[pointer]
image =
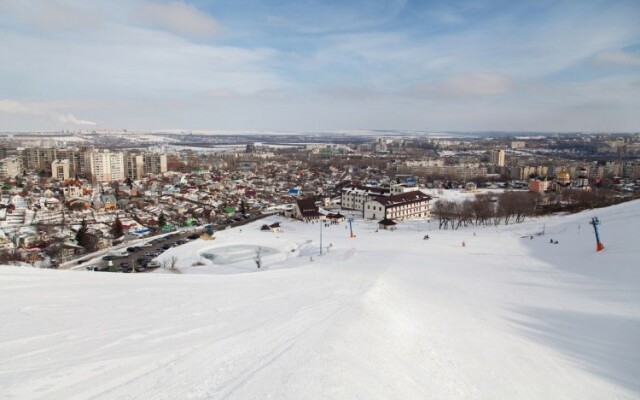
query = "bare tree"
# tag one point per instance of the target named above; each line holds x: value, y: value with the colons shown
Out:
x: 517, y: 205
x: 445, y: 211
x: 483, y: 208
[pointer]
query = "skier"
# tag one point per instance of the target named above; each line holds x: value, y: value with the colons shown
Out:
x: 464, y: 244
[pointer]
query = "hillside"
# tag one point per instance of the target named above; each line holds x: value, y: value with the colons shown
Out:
x: 383, y: 315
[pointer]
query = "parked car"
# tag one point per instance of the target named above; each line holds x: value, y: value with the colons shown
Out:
x: 109, y: 257
x: 193, y: 237
x: 153, y: 264
x: 124, y: 265
x: 140, y: 268
x: 166, y: 246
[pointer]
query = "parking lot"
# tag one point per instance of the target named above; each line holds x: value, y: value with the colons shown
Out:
x: 142, y: 258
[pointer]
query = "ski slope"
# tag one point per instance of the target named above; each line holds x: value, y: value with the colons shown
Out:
x: 384, y: 315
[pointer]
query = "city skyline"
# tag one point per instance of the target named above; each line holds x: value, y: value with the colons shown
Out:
x: 313, y: 65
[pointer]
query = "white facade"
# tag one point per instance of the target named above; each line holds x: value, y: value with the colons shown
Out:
x: 410, y: 205
x: 105, y: 166
x: 497, y: 158
x: 402, y: 188
x: 10, y: 167
x: 72, y: 191
x: 60, y: 169
x: 354, y: 197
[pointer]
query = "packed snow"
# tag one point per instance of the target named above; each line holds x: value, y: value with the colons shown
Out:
x: 382, y: 315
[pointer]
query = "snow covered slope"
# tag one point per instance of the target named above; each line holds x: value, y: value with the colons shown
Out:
x: 384, y: 315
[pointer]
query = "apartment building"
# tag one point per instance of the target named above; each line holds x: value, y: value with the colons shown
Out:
x: 60, y: 169
x: 155, y: 163
x: 10, y: 167
x: 497, y: 158
x: 134, y: 165
x: 104, y: 165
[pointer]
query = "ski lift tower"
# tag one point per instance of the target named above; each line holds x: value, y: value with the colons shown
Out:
x: 595, y: 222
x: 351, y: 235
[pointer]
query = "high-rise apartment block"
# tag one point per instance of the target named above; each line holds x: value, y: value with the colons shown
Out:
x: 134, y: 165
x: 42, y: 158
x: 497, y: 158
x: 155, y: 163
x: 104, y: 165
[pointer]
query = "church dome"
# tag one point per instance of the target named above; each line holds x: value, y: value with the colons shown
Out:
x: 563, y: 177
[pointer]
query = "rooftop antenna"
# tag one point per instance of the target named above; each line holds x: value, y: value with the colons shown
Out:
x: 595, y: 222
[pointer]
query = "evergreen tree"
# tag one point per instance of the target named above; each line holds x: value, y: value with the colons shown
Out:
x: 162, y: 220
x: 116, y: 229
x: 82, y: 235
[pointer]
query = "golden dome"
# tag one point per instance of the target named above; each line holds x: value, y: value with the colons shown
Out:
x: 563, y: 176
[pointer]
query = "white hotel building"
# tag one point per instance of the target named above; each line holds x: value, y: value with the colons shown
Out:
x: 408, y: 205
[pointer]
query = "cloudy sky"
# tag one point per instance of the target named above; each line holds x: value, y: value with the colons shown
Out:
x: 320, y: 65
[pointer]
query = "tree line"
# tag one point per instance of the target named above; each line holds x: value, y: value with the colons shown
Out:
x: 515, y: 206
x: 486, y: 209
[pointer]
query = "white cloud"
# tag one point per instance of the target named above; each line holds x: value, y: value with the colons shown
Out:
x: 52, y: 15
x: 125, y: 62
x: 469, y: 85
x: 619, y: 58
x: 180, y: 18
x: 40, y: 109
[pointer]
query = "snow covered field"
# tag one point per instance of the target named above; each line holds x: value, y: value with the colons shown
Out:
x: 384, y: 315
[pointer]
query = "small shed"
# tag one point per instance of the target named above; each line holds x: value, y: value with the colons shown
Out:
x: 275, y: 227
x: 335, y: 218
x: 387, y: 224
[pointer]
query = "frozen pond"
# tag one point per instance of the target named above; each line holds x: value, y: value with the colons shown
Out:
x: 236, y: 253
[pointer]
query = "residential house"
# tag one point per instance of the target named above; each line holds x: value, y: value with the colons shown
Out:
x: 306, y: 210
